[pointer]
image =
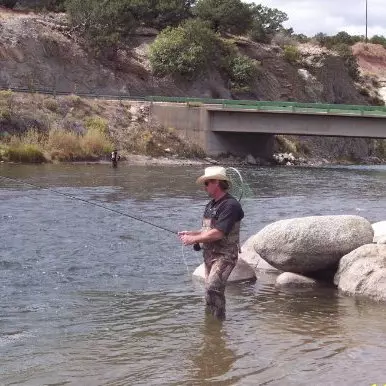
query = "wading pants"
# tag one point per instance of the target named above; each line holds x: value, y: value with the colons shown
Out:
x: 218, y: 267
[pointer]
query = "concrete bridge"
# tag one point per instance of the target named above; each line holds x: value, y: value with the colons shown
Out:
x: 248, y: 127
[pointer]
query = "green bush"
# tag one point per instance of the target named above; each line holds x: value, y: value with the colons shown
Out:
x: 185, y: 50
x: 378, y: 39
x: 266, y: 22
x: 232, y: 16
x: 291, y: 54
x: 242, y: 71
x: 51, y: 104
x: 98, y: 124
x: 103, y: 23
x: 5, y: 113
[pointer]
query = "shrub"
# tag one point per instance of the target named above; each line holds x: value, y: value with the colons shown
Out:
x: 232, y: 16
x: 103, y: 23
x: 51, y: 104
x: 281, y: 39
x: 378, y: 39
x: 34, y: 137
x: 64, y: 145
x: 287, y: 144
x: 5, y: 113
x: 95, y: 143
x: 266, y: 23
x: 242, y: 71
x: 25, y: 153
x: 97, y: 124
x: 185, y: 50
x: 291, y: 54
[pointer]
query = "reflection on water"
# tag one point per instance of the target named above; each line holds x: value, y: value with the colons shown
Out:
x: 91, y: 297
x: 213, y: 359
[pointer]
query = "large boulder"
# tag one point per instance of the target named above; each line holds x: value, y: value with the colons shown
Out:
x: 379, y: 232
x: 249, y: 255
x: 241, y: 272
x: 310, y: 244
x: 363, y: 272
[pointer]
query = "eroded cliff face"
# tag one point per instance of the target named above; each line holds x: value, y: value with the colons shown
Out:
x: 40, y: 51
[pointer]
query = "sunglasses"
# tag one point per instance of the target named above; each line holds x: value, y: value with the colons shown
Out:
x: 206, y: 183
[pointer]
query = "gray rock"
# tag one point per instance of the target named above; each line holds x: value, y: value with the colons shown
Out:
x: 251, y: 160
x: 249, y: 255
x: 381, y: 240
x: 363, y: 272
x: 379, y: 230
x: 242, y: 272
x: 309, y: 244
x: 294, y: 280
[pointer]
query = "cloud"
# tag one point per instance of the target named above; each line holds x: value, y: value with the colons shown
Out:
x: 331, y: 16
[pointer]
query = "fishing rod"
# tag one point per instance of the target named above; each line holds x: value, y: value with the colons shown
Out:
x: 91, y: 203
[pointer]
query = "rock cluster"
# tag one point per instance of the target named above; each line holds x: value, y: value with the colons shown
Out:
x: 343, y: 250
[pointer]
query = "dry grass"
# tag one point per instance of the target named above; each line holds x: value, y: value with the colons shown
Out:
x: 70, y: 128
x: 58, y: 145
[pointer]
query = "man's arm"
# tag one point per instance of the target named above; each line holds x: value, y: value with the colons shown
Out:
x: 201, y: 237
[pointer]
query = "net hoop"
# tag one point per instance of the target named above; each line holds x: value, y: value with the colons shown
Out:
x: 238, y: 184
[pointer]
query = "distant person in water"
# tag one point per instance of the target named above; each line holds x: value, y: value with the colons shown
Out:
x: 219, y: 236
x: 115, y: 158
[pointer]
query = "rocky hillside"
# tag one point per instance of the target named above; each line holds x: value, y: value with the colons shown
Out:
x: 40, y: 51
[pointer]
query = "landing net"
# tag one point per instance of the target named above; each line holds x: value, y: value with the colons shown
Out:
x: 239, y: 188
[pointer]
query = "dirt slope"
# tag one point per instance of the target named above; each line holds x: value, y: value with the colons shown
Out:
x: 40, y: 51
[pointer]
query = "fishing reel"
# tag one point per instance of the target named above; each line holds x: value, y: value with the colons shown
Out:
x: 197, y: 247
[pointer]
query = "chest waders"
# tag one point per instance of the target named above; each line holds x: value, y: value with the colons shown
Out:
x: 220, y: 257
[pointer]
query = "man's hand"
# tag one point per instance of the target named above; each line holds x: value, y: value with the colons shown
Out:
x: 187, y: 237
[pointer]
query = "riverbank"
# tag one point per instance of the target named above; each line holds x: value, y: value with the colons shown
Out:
x: 37, y: 128
x: 144, y: 160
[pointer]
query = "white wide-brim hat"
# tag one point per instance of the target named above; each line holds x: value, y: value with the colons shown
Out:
x: 213, y: 173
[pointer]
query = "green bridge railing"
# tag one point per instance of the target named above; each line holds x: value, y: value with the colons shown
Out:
x: 292, y: 107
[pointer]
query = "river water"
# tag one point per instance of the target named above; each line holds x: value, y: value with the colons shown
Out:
x: 92, y: 297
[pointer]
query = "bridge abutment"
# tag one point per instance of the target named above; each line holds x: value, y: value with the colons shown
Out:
x: 194, y: 124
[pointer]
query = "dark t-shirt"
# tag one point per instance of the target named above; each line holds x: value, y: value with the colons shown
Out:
x: 224, y: 213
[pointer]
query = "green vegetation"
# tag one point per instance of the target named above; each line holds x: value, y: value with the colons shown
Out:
x: 58, y: 145
x: 103, y: 23
x: 185, y: 50
x: 266, y: 22
x: 241, y: 69
x: 291, y: 54
x: 290, y: 144
x: 232, y: 16
x: 340, y: 38
x: 70, y: 128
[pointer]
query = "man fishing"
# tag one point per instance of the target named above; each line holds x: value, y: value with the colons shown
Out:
x: 219, y: 236
x: 115, y: 158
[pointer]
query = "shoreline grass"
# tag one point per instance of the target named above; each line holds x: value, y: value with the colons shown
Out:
x: 55, y: 146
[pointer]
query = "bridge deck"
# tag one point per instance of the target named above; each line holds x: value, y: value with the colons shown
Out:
x: 284, y: 107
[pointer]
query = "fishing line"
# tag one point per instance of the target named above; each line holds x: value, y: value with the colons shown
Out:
x: 91, y: 203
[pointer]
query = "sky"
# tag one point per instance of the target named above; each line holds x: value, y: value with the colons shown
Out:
x: 331, y: 16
